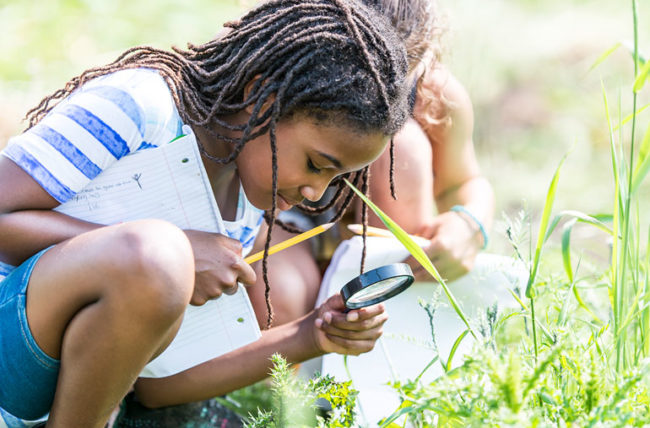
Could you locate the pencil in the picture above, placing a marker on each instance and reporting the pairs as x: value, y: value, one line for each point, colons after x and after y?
x: 289, y: 242
x: 384, y: 233
x: 372, y: 231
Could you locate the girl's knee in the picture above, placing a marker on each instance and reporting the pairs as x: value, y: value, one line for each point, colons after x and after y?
x: 153, y: 265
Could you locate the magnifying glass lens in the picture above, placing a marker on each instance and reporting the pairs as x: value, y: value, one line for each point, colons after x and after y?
x: 376, y: 290
x: 377, y: 285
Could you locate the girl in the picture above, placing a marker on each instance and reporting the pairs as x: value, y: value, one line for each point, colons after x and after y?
x: 435, y: 168
x: 296, y: 94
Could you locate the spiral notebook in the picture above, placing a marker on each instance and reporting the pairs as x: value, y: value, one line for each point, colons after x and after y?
x: 170, y: 183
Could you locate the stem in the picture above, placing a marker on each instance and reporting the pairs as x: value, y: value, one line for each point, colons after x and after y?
x: 532, y: 313
x: 628, y: 194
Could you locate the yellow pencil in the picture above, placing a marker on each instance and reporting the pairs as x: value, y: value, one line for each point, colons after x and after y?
x: 384, y: 233
x: 372, y: 231
x: 289, y: 242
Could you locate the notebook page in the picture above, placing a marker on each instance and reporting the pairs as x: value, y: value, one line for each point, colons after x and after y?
x: 229, y: 329
x: 170, y: 183
x: 164, y: 183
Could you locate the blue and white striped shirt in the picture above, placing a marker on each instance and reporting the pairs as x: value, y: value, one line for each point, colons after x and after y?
x: 101, y: 122
x: 97, y: 125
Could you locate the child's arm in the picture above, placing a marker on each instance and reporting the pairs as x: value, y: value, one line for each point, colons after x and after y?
x: 436, y: 166
x: 27, y: 224
x: 326, y: 329
x: 455, y: 236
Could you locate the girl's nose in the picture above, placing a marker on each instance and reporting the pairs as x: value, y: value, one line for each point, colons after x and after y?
x: 315, y: 191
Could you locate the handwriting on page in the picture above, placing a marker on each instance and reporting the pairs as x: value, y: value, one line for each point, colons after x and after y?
x: 163, y: 183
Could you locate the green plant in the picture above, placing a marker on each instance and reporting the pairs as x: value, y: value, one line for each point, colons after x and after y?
x: 294, y: 403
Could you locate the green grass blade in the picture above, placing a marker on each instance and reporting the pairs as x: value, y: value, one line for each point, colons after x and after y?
x: 424, y: 370
x: 416, y: 251
x: 583, y: 218
x: 521, y: 303
x: 566, y: 248
x: 643, y: 166
x: 604, y: 56
x: 548, y: 206
x: 630, y: 116
x: 646, y: 311
x: 566, y: 259
x: 452, y: 352
x: 502, y: 320
x: 388, y: 422
x: 636, y: 55
x: 641, y: 78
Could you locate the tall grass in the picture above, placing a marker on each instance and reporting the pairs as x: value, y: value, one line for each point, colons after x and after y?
x: 566, y: 357
x: 629, y: 267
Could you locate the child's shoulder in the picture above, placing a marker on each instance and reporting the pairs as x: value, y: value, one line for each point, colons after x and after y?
x: 127, y: 78
x: 144, y: 85
x: 145, y: 93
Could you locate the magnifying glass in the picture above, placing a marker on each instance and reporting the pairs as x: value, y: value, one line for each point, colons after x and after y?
x: 377, y: 285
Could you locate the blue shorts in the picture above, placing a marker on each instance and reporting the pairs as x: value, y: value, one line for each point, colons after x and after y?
x: 28, y: 376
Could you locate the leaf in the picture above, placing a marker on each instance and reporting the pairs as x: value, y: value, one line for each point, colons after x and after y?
x: 630, y: 47
x: 431, y: 362
x: 566, y: 259
x: 630, y: 116
x: 584, y: 218
x: 641, y: 78
x: 566, y: 248
x: 416, y: 251
x: 546, y: 214
x: 643, y: 166
x: 604, y: 56
x: 454, y: 348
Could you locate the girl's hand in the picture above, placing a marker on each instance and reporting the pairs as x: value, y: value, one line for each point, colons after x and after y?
x: 454, y: 244
x: 218, y: 266
x: 353, y: 333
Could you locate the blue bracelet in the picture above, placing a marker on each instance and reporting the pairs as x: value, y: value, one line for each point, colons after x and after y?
x: 462, y: 209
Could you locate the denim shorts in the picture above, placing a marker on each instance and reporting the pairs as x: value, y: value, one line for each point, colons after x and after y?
x: 28, y: 376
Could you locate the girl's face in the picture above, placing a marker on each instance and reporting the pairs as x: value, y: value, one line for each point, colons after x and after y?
x: 309, y: 156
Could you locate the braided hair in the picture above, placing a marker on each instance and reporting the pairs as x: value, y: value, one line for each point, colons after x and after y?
x: 337, y: 61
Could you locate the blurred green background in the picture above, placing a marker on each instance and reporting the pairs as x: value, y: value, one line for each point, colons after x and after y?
x: 525, y: 64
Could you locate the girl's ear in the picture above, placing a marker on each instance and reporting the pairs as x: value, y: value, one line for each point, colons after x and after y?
x: 247, y: 91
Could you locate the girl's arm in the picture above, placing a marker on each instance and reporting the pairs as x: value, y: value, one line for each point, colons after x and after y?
x: 27, y: 224
x: 436, y: 167
x: 458, y: 179
x: 455, y: 234
x: 326, y: 329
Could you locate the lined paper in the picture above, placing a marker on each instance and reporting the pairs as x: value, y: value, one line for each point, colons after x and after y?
x: 170, y: 183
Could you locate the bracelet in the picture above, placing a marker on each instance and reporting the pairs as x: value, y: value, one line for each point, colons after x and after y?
x: 462, y: 209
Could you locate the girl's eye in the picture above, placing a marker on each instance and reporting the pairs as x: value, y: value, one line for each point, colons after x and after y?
x: 311, y: 167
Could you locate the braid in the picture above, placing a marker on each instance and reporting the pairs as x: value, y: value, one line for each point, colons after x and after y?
x: 336, y: 61
x: 393, y: 193
x: 265, y: 274
x: 364, y: 216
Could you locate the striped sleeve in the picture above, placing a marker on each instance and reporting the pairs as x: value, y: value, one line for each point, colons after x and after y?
x: 94, y: 127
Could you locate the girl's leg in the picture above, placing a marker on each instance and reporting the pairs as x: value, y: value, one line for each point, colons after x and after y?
x: 105, y: 303
x: 295, y: 279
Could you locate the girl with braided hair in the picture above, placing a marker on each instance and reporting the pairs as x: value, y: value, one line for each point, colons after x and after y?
x: 430, y: 166
x: 297, y: 94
